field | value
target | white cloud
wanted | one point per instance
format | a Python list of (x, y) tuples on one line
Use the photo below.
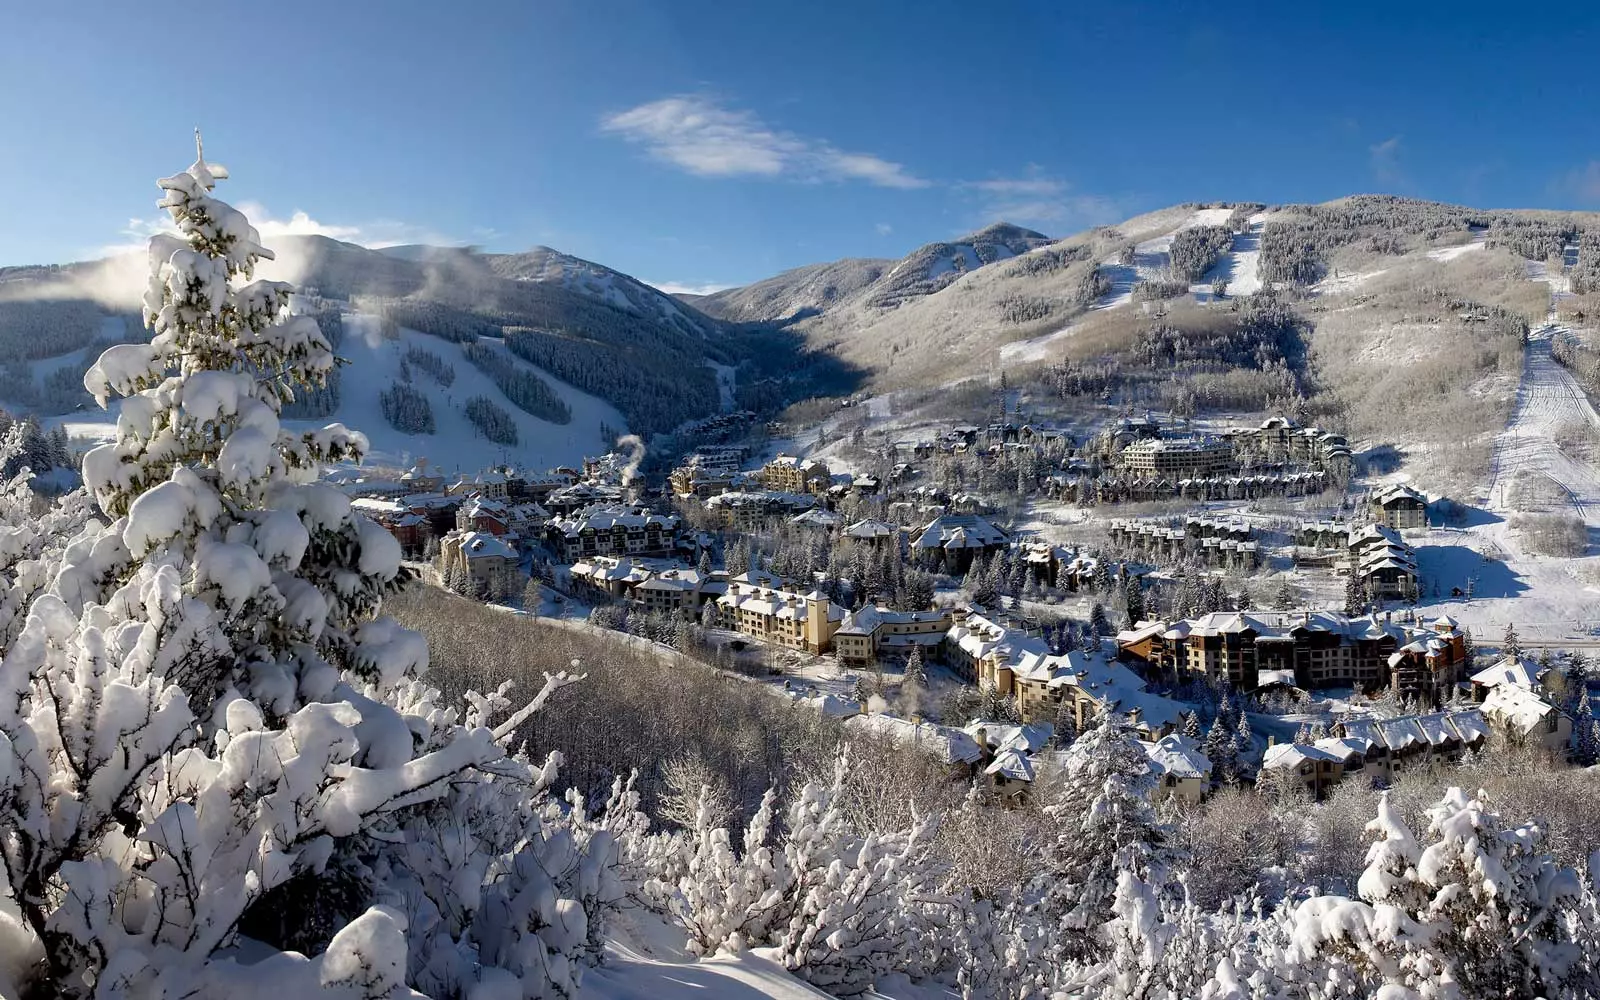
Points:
[(1039, 200), (680, 288), (1385, 157), (376, 235), (883, 229), (704, 138)]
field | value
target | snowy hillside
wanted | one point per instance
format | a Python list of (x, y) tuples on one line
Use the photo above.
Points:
[(573, 274), (800, 292), (455, 445)]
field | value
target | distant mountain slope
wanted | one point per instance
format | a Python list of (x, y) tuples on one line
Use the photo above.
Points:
[(803, 291), (879, 283)]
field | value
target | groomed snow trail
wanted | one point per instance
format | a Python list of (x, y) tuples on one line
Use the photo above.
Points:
[(1550, 402), (1240, 266)]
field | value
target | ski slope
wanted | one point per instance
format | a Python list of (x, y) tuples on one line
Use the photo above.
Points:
[(1240, 267), (456, 445)]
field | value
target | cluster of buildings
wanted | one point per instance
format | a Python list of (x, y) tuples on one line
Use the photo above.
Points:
[(1225, 544), (1319, 649), (1130, 487)]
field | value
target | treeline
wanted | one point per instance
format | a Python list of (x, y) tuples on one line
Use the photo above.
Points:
[(46, 328), (1196, 249), (407, 410), (41, 450), (491, 420), (1579, 358), (443, 372), (654, 392), (1585, 273), (1047, 261), (323, 401), (1296, 250), (527, 391), (1535, 239)]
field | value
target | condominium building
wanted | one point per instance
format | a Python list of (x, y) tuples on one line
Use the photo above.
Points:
[(1184, 457)]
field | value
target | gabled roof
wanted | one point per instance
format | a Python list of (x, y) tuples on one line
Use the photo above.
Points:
[(1514, 670), (1295, 754), (1516, 707), (1178, 755)]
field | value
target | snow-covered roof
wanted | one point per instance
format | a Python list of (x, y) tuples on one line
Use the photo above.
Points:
[(871, 528), (1029, 738), (1295, 754), (818, 517), (1012, 763), (957, 531), (1396, 493), (1178, 755), (868, 619), (948, 745), (1514, 670), (482, 545), (607, 518), (1344, 747), (1516, 707)]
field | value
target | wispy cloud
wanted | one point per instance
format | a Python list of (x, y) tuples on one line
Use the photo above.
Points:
[(1581, 183), (382, 233), (883, 229), (702, 137), (1385, 159), (680, 288), (1040, 200)]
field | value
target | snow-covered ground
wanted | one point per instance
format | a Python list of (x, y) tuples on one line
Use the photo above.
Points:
[(1546, 597), (1152, 259), (1240, 266), (727, 382), (455, 446)]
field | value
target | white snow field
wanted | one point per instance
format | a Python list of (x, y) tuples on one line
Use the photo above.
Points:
[(456, 446), (646, 960), (1548, 598)]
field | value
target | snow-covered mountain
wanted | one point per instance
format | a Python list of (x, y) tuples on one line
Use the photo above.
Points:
[(875, 282)]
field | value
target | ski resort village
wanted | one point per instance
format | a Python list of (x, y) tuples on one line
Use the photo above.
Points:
[(915, 565)]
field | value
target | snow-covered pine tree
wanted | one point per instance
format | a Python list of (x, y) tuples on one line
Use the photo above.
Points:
[(915, 674), (1105, 824), (1585, 751), (1099, 624), (206, 718), (1191, 726)]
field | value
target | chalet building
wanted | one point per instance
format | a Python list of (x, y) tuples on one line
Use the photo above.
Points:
[(410, 529), (575, 497), (1331, 534), (1317, 770), (482, 514), (1527, 719), (490, 484), (953, 540), (612, 531), (1430, 666), (807, 623), (1019, 664), (819, 518), (1321, 649), (1399, 507), (1387, 746), (418, 479), (870, 531), (873, 636), (1279, 441), (950, 746), (1384, 563), (1177, 458), (789, 474), (1182, 772), (1516, 671), (485, 559), (698, 481)]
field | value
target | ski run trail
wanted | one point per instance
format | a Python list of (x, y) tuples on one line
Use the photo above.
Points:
[(1534, 471)]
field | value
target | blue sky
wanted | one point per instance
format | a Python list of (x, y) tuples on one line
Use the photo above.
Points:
[(708, 143)]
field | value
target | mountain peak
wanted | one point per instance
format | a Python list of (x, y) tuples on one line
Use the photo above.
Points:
[(1001, 232)]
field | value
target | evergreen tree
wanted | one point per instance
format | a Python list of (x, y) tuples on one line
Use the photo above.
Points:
[(218, 733), (1285, 599), (1586, 752), (915, 675), (1510, 645), (1066, 725), (1105, 825), (1354, 600), (1099, 624), (1102, 577), (703, 566), (1133, 599), (1191, 726)]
